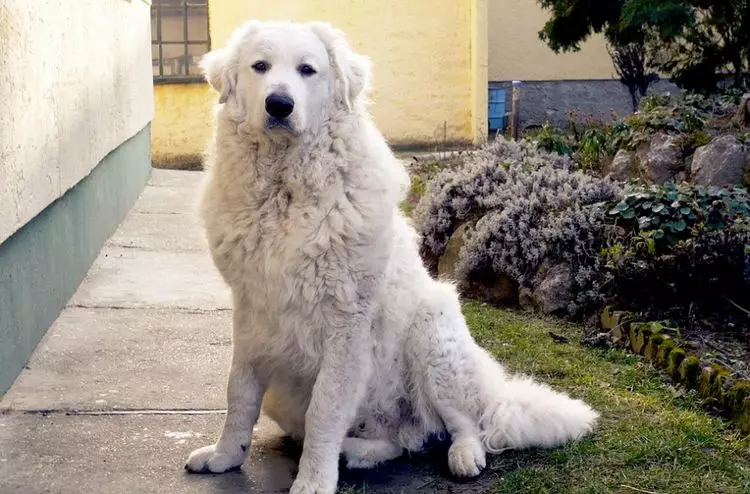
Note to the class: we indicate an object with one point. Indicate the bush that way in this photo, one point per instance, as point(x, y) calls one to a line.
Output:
point(658, 249)
point(671, 211)
point(679, 248)
point(528, 210)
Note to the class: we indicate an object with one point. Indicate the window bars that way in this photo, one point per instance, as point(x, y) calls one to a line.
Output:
point(179, 37)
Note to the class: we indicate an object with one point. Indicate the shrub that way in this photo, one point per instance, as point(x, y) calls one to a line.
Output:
point(658, 249)
point(671, 211)
point(528, 208)
point(679, 248)
point(552, 140)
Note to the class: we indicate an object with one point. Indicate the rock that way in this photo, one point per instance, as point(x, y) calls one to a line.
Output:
point(660, 159)
point(526, 299)
point(611, 319)
point(737, 401)
point(674, 362)
point(622, 166)
point(554, 292)
point(743, 112)
point(720, 162)
point(690, 371)
point(639, 335)
point(711, 381)
point(496, 290)
point(651, 352)
point(664, 351)
point(448, 262)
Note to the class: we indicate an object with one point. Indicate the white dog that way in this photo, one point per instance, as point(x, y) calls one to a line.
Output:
point(339, 330)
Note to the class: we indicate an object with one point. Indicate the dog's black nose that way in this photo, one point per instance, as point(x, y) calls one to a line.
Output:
point(279, 105)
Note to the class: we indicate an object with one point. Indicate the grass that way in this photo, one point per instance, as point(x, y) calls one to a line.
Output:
point(652, 438)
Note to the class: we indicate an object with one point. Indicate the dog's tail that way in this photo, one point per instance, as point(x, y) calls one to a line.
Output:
point(520, 413)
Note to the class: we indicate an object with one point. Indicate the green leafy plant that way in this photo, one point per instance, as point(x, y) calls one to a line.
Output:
point(553, 140)
point(664, 215)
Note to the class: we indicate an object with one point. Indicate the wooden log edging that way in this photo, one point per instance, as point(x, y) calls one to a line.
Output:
point(712, 381)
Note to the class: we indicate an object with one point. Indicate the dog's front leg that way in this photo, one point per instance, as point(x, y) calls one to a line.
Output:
point(336, 395)
point(244, 397)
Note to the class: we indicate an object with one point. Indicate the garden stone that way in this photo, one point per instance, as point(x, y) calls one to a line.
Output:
point(497, 290)
point(660, 159)
point(720, 162)
point(500, 290)
point(553, 293)
point(622, 166)
point(526, 299)
point(743, 112)
point(449, 260)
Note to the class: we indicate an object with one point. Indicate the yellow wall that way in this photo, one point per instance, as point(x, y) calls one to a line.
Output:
point(182, 124)
point(479, 68)
point(517, 53)
point(421, 50)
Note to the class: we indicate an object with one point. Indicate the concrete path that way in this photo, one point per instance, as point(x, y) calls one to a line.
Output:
point(131, 377)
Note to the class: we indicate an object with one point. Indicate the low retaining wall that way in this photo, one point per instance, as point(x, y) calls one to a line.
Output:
point(712, 381)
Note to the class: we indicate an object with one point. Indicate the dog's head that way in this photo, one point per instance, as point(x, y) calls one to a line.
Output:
point(286, 79)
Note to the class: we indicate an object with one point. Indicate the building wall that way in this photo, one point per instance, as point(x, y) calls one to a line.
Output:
point(425, 88)
point(517, 53)
point(182, 124)
point(76, 99)
point(75, 82)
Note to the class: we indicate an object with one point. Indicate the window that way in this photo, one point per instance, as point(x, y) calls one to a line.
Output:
point(179, 38)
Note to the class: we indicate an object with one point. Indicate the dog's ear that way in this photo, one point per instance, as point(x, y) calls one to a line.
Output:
point(214, 67)
point(221, 69)
point(352, 70)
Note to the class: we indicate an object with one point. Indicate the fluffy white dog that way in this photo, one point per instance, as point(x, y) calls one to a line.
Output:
point(339, 330)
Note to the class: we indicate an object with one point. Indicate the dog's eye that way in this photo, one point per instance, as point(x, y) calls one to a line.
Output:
point(306, 70)
point(260, 67)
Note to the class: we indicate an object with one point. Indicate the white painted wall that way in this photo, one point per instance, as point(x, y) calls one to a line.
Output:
point(75, 82)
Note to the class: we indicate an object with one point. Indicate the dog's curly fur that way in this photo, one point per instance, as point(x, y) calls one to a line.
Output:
point(339, 331)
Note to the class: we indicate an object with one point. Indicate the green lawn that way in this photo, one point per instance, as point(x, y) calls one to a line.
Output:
point(652, 437)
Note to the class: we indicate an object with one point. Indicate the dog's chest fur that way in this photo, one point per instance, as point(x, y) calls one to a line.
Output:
point(279, 242)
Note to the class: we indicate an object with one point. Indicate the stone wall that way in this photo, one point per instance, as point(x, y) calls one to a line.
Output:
point(552, 101)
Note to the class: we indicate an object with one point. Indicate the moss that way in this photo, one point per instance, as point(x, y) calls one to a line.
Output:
point(665, 349)
point(676, 356)
point(690, 371)
point(652, 347)
point(639, 336)
point(735, 396)
point(711, 381)
point(742, 419)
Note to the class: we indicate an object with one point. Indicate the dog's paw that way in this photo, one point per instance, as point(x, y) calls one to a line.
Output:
point(466, 457)
point(208, 460)
point(368, 453)
point(312, 486)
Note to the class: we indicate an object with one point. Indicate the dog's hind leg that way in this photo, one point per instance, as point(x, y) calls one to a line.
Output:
point(443, 351)
point(466, 456)
point(366, 453)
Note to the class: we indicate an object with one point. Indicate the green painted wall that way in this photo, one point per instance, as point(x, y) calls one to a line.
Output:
point(42, 264)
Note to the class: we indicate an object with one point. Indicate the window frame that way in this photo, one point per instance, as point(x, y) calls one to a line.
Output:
point(159, 43)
